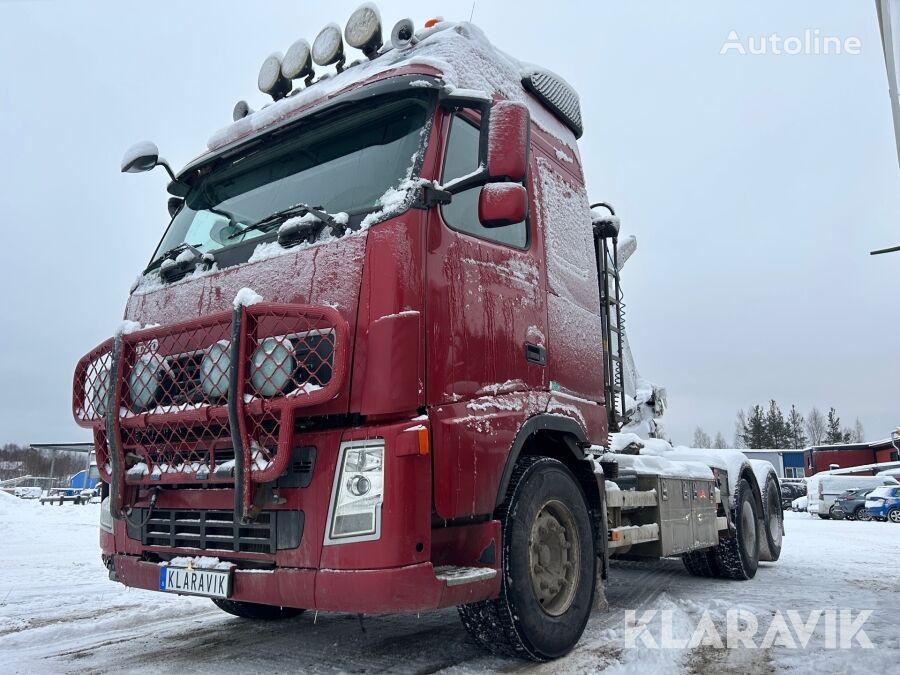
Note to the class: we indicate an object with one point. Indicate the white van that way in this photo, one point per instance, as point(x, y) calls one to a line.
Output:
point(824, 488)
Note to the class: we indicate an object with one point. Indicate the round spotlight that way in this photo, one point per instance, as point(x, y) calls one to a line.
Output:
point(144, 381)
point(297, 62)
point(215, 370)
point(272, 366)
point(328, 47)
point(363, 30)
point(270, 80)
point(97, 384)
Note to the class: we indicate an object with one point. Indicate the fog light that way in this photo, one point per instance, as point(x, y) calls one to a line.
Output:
point(144, 380)
point(96, 386)
point(214, 370)
point(272, 366)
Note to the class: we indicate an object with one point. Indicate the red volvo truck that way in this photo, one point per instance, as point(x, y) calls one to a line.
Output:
point(373, 364)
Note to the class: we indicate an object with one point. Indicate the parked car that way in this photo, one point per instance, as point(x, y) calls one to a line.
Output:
point(824, 488)
point(800, 504)
point(883, 503)
point(851, 504)
point(28, 492)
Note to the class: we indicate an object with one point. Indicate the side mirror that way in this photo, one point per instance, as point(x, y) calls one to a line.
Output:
point(508, 141)
point(502, 204)
point(144, 156)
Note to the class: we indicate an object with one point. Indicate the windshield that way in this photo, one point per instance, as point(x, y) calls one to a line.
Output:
point(342, 164)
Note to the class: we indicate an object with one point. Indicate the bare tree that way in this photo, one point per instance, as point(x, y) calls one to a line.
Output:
point(720, 441)
point(740, 426)
point(815, 427)
point(857, 434)
point(701, 439)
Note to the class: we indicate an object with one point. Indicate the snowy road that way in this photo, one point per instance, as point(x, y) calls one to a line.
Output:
point(59, 614)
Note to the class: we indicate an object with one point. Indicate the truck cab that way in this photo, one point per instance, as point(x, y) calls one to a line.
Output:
point(372, 332)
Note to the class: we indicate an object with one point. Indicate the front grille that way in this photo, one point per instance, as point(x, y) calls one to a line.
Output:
point(208, 530)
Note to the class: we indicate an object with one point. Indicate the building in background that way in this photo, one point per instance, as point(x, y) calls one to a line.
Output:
point(788, 463)
point(848, 455)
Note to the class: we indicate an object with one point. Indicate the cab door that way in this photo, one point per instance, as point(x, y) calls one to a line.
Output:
point(486, 346)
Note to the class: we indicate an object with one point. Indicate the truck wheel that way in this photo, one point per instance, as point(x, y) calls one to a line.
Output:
point(549, 567)
point(773, 520)
point(699, 564)
point(738, 557)
point(251, 610)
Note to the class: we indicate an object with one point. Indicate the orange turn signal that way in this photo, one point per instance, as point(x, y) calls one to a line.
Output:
point(424, 446)
point(432, 22)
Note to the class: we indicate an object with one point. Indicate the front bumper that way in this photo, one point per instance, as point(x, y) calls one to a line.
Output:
point(412, 588)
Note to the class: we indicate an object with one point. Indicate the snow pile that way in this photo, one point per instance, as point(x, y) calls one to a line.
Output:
point(246, 297)
point(200, 562)
point(663, 466)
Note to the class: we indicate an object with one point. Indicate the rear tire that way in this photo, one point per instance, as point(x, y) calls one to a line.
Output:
point(773, 520)
point(252, 610)
point(824, 516)
point(549, 567)
point(738, 557)
point(861, 514)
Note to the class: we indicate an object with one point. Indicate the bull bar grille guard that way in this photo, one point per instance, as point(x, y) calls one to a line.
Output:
point(208, 398)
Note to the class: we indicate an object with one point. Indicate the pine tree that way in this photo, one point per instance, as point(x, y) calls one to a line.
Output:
point(720, 441)
point(754, 434)
point(795, 424)
point(834, 435)
point(776, 430)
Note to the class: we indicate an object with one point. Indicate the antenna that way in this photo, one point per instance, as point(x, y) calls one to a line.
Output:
point(472, 13)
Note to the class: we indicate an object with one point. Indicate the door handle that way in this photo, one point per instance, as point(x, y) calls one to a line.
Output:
point(535, 354)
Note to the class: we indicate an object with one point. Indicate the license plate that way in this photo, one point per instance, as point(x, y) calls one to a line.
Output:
point(209, 583)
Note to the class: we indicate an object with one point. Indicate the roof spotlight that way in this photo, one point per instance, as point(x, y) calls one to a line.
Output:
point(270, 80)
point(404, 34)
point(328, 47)
point(363, 30)
point(241, 110)
point(297, 62)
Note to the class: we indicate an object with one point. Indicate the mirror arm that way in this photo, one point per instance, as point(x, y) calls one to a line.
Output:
point(164, 164)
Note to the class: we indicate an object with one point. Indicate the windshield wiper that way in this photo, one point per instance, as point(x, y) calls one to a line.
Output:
point(300, 209)
point(172, 253)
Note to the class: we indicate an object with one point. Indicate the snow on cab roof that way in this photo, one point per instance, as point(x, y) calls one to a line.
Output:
point(459, 52)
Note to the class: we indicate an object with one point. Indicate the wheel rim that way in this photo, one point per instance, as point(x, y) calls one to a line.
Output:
point(894, 516)
point(748, 529)
point(775, 522)
point(553, 558)
point(861, 514)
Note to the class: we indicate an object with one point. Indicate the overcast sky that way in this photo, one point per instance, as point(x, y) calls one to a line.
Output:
point(756, 184)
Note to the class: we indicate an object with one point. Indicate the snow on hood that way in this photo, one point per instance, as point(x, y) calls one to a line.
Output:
point(460, 52)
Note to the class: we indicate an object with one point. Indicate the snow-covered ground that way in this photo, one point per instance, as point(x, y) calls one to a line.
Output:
point(60, 614)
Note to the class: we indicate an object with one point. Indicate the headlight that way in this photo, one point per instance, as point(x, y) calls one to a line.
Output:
point(214, 370)
point(96, 386)
point(106, 519)
point(144, 380)
point(272, 366)
point(358, 492)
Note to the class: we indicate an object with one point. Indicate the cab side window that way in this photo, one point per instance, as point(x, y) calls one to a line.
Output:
point(461, 158)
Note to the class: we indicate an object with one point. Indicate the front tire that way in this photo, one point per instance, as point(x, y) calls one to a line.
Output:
point(251, 610)
point(549, 567)
point(894, 515)
point(738, 557)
